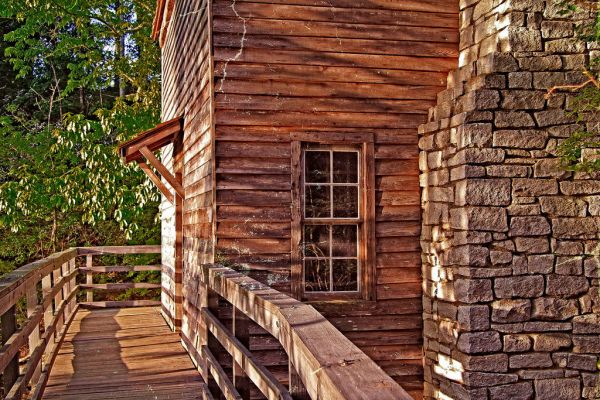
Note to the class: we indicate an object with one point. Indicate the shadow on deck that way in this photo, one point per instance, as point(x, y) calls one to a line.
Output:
point(126, 353)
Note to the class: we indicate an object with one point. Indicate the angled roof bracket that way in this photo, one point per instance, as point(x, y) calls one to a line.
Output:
point(141, 149)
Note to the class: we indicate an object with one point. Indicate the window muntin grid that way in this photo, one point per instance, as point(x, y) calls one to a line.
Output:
point(331, 229)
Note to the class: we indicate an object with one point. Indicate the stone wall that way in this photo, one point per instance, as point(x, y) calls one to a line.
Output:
point(509, 238)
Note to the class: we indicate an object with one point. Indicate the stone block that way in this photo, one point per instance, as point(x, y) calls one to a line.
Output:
point(563, 206)
point(557, 29)
point(520, 80)
point(508, 311)
point(530, 360)
point(479, 342)
point(523, 100)
point(534, 187)
point(566, 286)
point(538, 326)
point(593, 205)
point(591, 267)
point(473, 290)
point(492, 219)
point(529, 226)
point(582, 362)
point(486, 379)
point(567, 45)
point(515, 391)
point(553, 117)
point(582, 187)
point(508, 171)
point(547, 80)
point(570, 265)
point(520, 139)
point(530, 245)
point(586, 344)
point(576, 228)
point(523, 39)
point(474, 135)
point(516, 343)
point(519, 286)
point(474, 317)
point(540, 373)
point(485, 363)
point(586, 324)
point(513, 119)
point(543, 63)
point(551, 341)
point(471, 255)
point(540, 263)
point(550, 168)
point(557, 389)
point(550, 308)
point(483, 192)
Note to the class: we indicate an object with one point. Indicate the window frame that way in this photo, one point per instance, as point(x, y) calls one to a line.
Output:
point(364, 144)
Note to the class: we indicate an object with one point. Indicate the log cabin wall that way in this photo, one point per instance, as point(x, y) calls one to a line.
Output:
point(357, 66)
point(187, 91)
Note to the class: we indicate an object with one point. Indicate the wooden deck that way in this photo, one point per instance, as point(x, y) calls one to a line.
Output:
point(126, 353)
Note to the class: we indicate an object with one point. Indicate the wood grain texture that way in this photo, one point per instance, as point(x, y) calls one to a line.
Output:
point(122, 354)
point(329, 365)
point(187, 227)
point(289, 70)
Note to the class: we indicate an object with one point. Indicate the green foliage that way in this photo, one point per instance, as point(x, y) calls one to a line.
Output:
point(80, 76)
point(575, 151)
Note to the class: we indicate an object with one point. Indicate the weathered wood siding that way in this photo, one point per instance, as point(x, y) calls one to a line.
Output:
point(187, 88)
point(285, 66)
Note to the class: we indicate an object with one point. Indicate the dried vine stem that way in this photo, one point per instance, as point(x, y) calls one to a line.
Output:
point(591, 81)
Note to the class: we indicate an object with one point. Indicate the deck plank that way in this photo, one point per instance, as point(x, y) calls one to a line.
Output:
point(126, 353)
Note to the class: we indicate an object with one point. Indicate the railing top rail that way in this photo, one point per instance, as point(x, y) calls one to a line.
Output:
point(14, 284)
point(106, 250)
point(329, 364)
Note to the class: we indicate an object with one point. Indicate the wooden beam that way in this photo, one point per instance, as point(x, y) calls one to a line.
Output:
point(105, 250)
point(115, 287)
point(119, 304)
point(329, 364)
point(10, 369)
point(156, 180)
point(220, 376)
point(119, 268)
point(163, 171)
point(264, 380)
point(89, 277)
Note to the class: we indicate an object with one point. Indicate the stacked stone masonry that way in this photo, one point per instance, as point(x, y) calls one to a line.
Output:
point(510, 240)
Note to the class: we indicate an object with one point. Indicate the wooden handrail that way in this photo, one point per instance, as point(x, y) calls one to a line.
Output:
point(56, 276)
point(327, 363)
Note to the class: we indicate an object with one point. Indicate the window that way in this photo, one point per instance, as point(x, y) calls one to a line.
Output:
point(332, 219)
point(333, 215)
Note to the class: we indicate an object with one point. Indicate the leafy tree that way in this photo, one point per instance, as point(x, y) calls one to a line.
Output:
point(78, 77)
point(578, 152)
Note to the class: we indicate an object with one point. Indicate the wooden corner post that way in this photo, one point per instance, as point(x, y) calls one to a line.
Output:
point(8, 326)
point(179, 199)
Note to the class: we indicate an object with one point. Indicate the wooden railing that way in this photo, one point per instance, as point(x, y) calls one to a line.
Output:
point(323, 363)
point(48, 288)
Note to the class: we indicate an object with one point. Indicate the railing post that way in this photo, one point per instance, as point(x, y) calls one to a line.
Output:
point(66, 289)
point(72, 267)
point(212, 304)
point(34, 337)
point(60, 320)
point(9, 326)
point(89, 278)
point(296, 387)
point(48, 312)
point(241, 331)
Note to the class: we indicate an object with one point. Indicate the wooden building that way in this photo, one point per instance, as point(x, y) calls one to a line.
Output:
point(290, 151)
